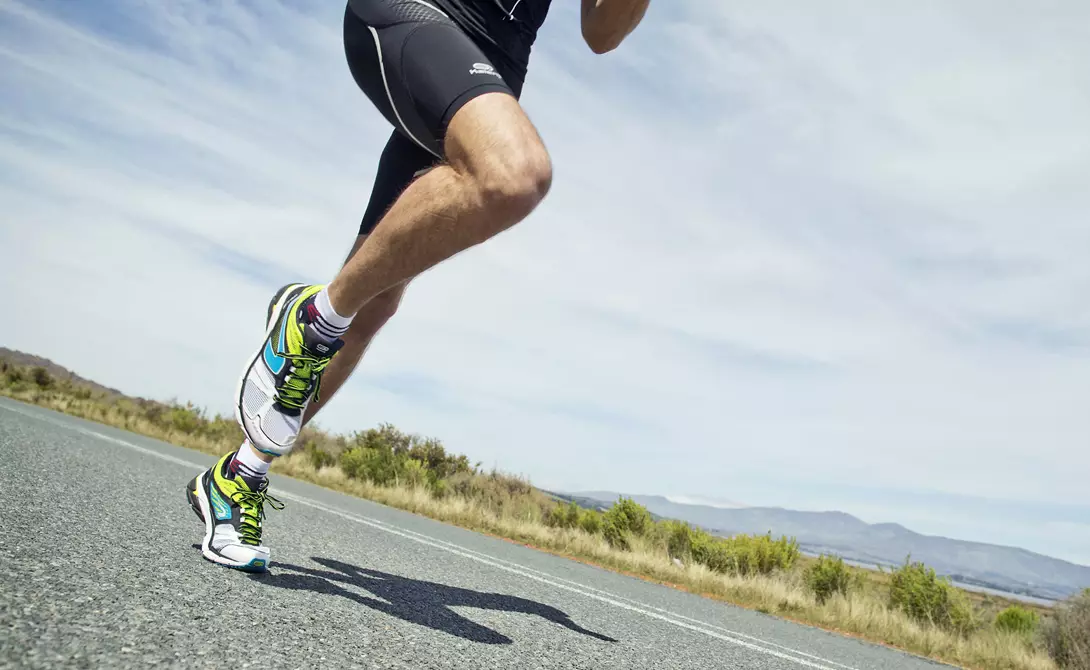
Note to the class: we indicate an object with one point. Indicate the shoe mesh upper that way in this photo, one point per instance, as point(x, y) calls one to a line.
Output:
point(279, 428)
point(253, 398)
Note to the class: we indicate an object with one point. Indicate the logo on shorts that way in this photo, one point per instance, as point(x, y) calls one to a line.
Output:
point(484, 68)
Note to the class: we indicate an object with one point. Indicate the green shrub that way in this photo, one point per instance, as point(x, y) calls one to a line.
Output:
point(397, 446)
point(412, 473)
point(563, 516)
point(629, 517)
point(223, 429)
point(41, 377)
point(14, 375)
point(744, 554)
point(385, 436)
point(383, 466)
point(829, 575)
point(1017, 619)
point(431, 453)
point(384, 457)
point(1066, 634)
point(187, 419)
point(710, 551)
point(762, 555)
point(318, 457)
point(918, 592)
point(440, 489)
point(679, 540)
point(614, 535)
point(590, 521)
point(355, 462)
point(152, 411)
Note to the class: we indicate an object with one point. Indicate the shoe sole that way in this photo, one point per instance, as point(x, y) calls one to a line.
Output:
point(203, 510)
point(270, 323)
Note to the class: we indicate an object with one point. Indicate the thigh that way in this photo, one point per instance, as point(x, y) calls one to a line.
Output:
point(416, 66)
point(492, 135)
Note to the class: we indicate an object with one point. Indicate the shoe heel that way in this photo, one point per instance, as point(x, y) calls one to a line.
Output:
point(192, 500)
point(276, 299)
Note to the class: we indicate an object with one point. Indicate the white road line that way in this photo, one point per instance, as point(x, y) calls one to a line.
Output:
point(629, 600)
point(555, 582)
point(711, 630)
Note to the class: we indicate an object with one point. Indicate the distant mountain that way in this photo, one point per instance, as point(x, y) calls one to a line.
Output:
point(57, 371)
point(975, 563)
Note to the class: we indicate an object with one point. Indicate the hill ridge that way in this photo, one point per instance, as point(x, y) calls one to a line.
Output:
point(1000, 567)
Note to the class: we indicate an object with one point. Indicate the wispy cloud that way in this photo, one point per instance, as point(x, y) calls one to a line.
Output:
point(787, 250)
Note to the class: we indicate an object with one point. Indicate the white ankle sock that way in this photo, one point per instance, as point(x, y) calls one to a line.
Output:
point(330, 323)
point(247, 464)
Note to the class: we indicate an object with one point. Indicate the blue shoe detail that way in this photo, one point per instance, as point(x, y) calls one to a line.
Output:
point(273, 360)
point(270, 453)
point(255, 565)
point(219, 506)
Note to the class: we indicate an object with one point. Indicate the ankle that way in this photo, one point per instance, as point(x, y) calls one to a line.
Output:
point(249, 464)
point(329, 323)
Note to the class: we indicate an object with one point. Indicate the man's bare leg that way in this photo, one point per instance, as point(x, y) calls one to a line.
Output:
point(494, 179)
point(497, 172)
point(365, 326)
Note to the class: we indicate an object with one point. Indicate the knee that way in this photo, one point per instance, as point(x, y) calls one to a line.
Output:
point(516, 178)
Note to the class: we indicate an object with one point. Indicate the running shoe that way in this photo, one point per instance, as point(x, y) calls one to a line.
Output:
point(285, 373)
point(232, 514)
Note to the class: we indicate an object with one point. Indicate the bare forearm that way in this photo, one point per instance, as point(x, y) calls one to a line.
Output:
point(607, 22)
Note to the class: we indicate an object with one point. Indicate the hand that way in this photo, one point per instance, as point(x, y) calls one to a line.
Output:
point(606, 23)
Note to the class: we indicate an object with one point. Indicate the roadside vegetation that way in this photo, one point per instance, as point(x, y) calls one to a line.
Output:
point(909, 607)
point(1066, 634)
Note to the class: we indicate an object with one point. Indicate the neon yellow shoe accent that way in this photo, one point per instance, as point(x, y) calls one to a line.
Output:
point(306, 368)
point(251, 504)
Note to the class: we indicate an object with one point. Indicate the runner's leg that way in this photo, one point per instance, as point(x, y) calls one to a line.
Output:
point(437, 86)
point(401, 161)
point(438, 89)
point(366, 324)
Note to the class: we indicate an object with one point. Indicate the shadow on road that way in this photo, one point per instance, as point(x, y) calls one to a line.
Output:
point(423, 603)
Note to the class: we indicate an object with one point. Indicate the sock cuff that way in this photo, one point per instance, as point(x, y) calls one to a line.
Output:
point(330, 315)
point(248, 463)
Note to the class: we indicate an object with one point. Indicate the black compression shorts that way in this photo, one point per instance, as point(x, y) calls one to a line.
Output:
point(418, 67)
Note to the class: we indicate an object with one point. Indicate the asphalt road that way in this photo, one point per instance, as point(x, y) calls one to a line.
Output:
point(99, 567)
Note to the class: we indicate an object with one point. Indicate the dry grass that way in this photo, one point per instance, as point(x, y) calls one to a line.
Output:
point(1067, 632)
point(863, 614)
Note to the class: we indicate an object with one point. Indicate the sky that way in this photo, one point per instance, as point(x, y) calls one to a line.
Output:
point(823, 258)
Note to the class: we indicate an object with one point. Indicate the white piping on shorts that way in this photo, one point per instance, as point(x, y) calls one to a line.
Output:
point(389, 96)
point(511, 12)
